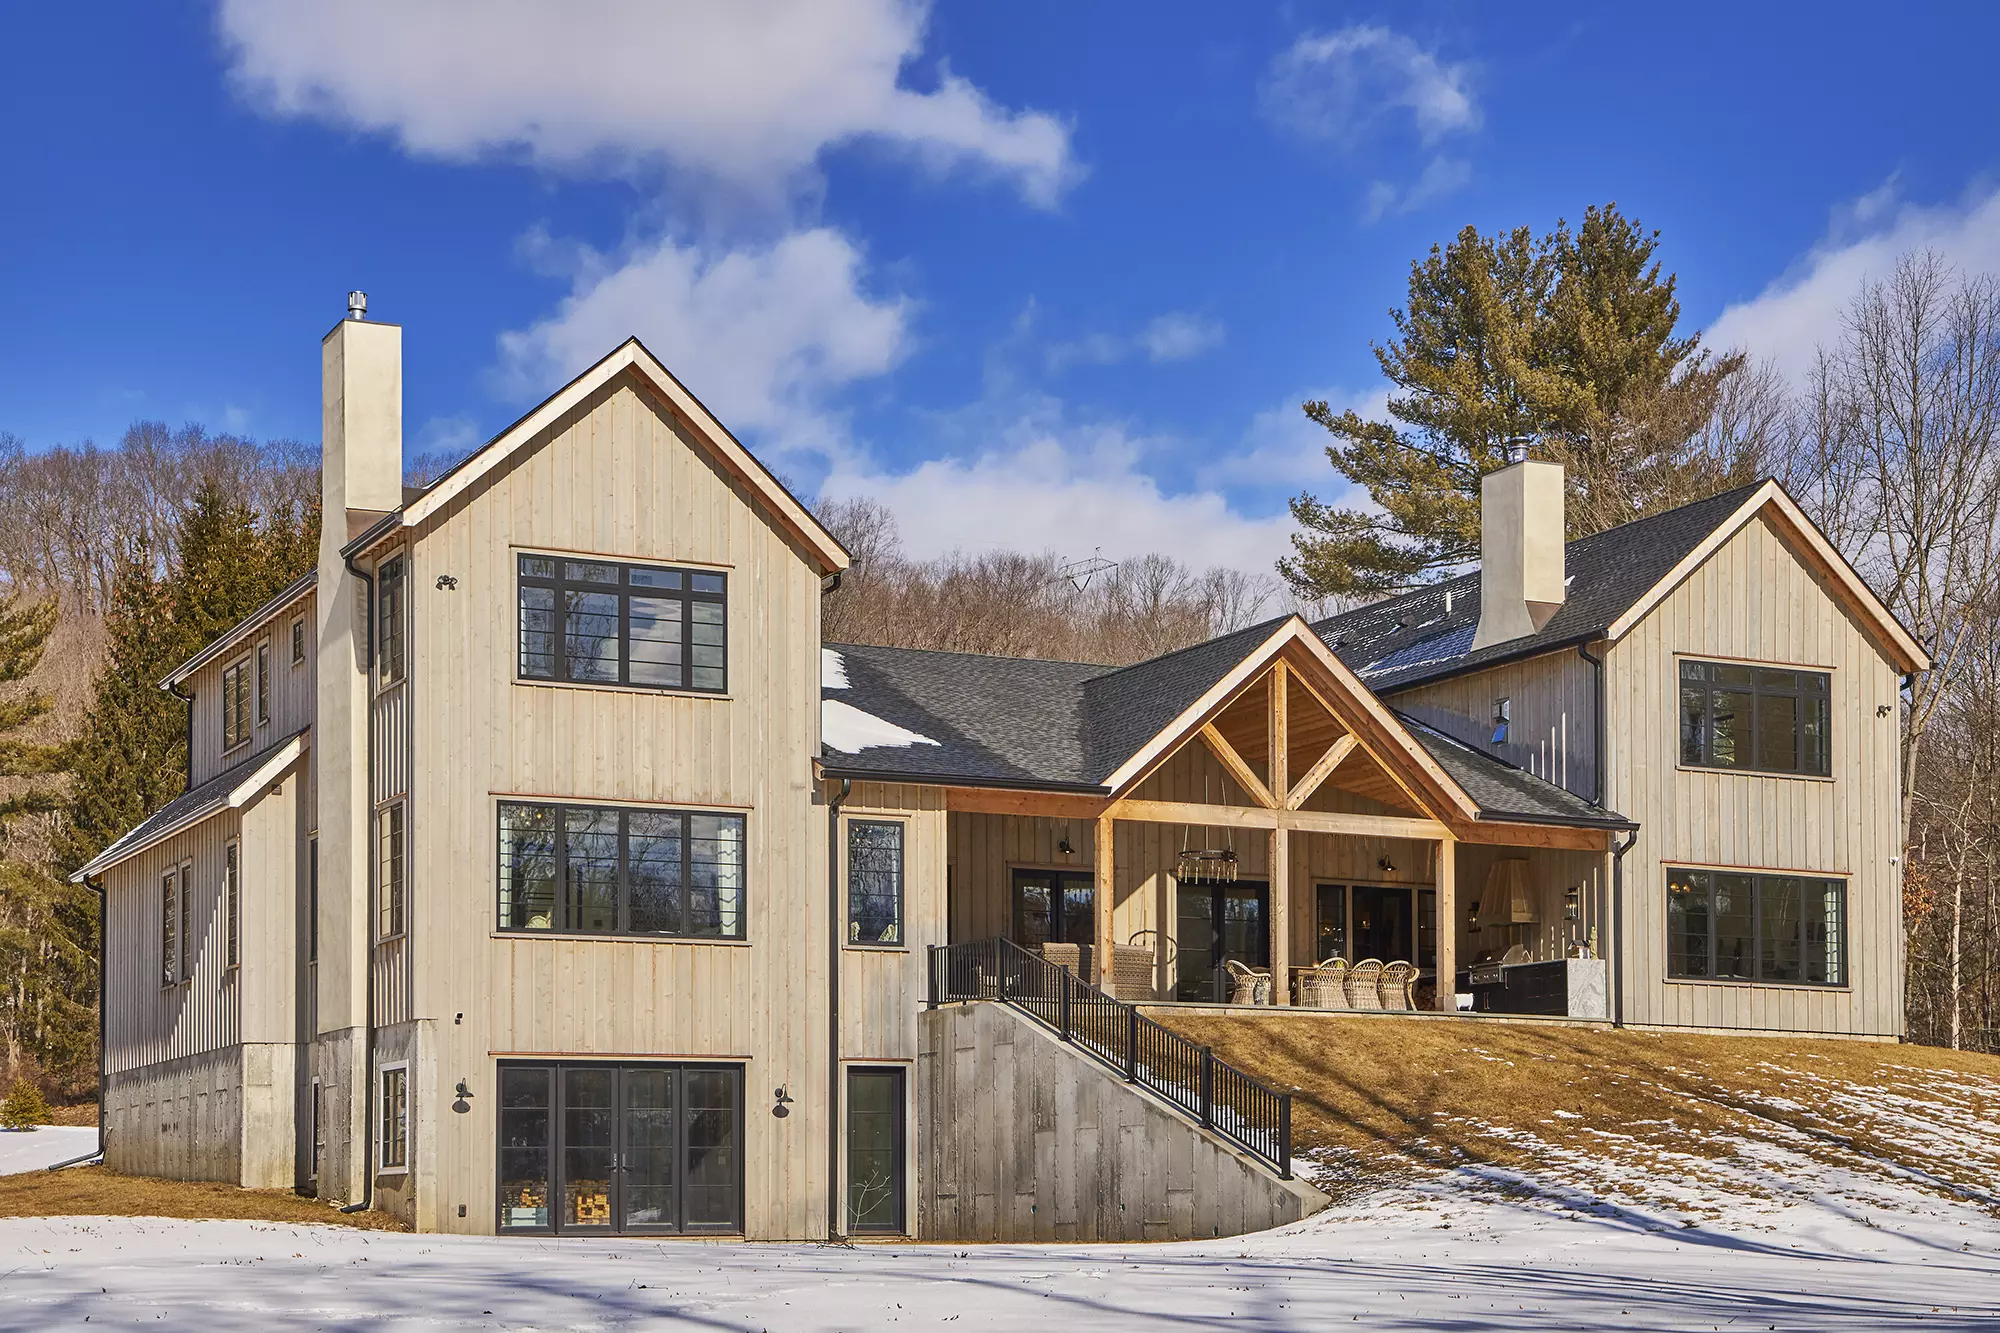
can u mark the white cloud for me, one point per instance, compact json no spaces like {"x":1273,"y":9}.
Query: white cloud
{"x":1802,"y":309}
{"x":1040,"y":484}
{"x":1444,"y":176}
{"x":1175,"y":336}
{"x":747,"y":93}
{"x":1283,"y":448}
{"x":1342,"y":86}
{"x":761,"y":335}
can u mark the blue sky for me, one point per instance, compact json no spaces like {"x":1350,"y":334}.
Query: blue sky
{"x":1053,"y":276}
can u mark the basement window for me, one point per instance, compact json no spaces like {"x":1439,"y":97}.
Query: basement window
{"x":395,"y":1141}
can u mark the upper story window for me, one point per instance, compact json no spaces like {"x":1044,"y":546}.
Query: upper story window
{"x":1765,"y":719}
{"x":299,"y":641}
{"x":600,"y":623}
{"x":615,"y":871}
{"x":390,"y":642}
{"x":875,"y":881}
{"x":395,"y":861}
{"x":232,"y":905}
{"x":1784,"y":929}
{"x":236,"y":704}
{"x":263,"y":682}
{"x":1503,"y":720}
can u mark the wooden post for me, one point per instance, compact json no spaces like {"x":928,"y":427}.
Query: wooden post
{"x":1447,"y":924}
{"x":1102,"y":867}
{"x":1281,"y":916}
{"x":1281,"y":845}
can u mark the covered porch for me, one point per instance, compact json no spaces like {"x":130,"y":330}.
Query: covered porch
{"x":1289,"y":841}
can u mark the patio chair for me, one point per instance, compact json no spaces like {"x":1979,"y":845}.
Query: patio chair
{"x":1131,"y":972}
{"x":1248,"y":985}
{"x":1068,"y":957}
{"x":1363,"y":984}
{"x":1325,"y":986}
{"x":1398,"y":979}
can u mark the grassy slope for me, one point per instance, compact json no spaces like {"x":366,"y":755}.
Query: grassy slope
{"x":1669,"y":1117}
{"x":91,"y":1191}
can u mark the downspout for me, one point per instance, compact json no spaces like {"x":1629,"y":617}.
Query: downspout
{"x":834,"y":1202}
{"x":1618,"y":850}
{"x":97,"y":887}
{"x":367,"y":1199}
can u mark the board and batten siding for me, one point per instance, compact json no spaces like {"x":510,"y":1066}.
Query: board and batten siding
{"x":1753,"y":601}
{"x":1553,"y":729}
{"x":617,"y":478}
{"x":883,"y":989}
{"x":293,"y":696}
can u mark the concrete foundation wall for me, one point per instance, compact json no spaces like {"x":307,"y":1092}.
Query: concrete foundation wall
{"x":222,"y":1115}
{"x":1023,"y":1138}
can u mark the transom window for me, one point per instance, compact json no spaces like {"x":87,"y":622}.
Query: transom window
{"x":236,"y":704}
{"x":1769,"y":719}
{"x":875,"y":881}
{"x":612,"y":871}
{"x":1773,"y":929}
{"x":602,"y":623}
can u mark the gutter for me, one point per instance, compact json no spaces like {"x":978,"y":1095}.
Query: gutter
{"x":964,"y":780}
{"x":1614,"y":825}
{"x":367,"y":1199}
{"x":835,"y":1204}
{"x":1483,"y":664}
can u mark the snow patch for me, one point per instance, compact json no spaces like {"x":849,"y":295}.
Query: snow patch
{"x":34,"y":1150}
{"x":848,"y":729}
{"x":832,"y":670}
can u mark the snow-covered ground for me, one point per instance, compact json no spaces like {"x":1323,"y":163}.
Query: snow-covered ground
{"x":1469,"y":1253}
{"x":31,"y":1150}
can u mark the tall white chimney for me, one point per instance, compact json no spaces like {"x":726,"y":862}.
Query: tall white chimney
{"x":1521,"y":574}
{"x":361,"y":478}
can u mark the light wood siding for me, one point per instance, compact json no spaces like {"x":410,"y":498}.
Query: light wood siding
{"x":882,"y":990}
{"x":1753,"y":600}
{"x":292,"y":693}
{"x":617,"y":478}
{"x":1554,"y":729}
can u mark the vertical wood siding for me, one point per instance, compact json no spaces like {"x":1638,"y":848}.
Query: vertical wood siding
{"x":1554,"y":728}
{"x":1754,"y":601}
{"x":292,"y":693}
{"x":882,"y":990}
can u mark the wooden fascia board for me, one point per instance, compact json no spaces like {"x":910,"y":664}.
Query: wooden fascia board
{"x":251,"y":787}
{"x":632,"y":355}
{"x":1029,"y":804}
{"x":1562,"y":837}
{"x":1172,"y":736}
{"x":1237,"y":766}
{"x":1297,"y":821}
{"x":1321,"y":770}
{"x":1806,"y":539}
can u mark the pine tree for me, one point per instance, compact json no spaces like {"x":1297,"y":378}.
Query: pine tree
{"x":1567,"y":340}
{"x":24,"y":1107}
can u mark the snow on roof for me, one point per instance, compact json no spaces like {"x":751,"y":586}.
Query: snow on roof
{"x":845,"y":728}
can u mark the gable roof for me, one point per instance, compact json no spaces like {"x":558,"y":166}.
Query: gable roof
{"x":629,"y":356}
{"x":243,"y":630}
{"x":233,"y":788}
{"x":1614,"y":578}
{"x":970,"y":720}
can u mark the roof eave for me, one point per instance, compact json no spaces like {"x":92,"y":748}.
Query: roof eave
{"x":236,"y":633}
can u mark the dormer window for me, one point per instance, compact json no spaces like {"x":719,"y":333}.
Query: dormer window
{"x":596,"y":622}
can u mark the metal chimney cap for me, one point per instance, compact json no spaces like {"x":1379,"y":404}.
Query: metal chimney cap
{"x":357,"y":305}
{"x":1517,"y":450}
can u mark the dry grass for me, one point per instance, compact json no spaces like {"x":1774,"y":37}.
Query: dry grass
{"x":1387,"y":1101}
{"x":77,"y":1115}
{"x":92,"y":1191}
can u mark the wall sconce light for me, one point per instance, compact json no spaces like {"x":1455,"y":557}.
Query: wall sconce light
{"x":1573,"y":903}
{"x":1472,"y":914}
{"x":784,"y":1106}
{"x":464,"y":1095}
{"x":1385,"y":864}
{"x":446,"y":583}
{"x":1065,"y":848}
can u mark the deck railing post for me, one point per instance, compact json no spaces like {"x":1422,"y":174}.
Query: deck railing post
{"x":1062,"y":1003}
{"x":1207,"y":1093}
{"x":1285,"y":1136}
{"x":931,"y":962}
{"x":1131,"y":1044}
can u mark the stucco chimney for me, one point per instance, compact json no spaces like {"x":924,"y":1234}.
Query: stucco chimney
{"x":1521,"y":574}
{"x":361,"y":478}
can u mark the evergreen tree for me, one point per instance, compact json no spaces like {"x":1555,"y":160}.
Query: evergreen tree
{"x":1567,"y":340}
{"x":24,"y":1107}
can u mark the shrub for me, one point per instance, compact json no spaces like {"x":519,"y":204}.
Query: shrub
{"x":24,"y":1107}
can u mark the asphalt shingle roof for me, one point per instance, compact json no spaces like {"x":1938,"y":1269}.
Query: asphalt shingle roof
{"x":190,"y":807}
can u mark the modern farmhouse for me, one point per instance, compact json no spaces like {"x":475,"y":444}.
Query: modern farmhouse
{"x":540,"y":869}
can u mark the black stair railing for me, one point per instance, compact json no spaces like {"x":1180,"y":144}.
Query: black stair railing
{"x":1212,"y":1092}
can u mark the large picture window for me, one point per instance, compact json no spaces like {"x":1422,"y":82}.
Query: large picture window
{"x":875,"y":881}
{"x":1767,"y":719}
{"x":610,"y":871}
{"x":601,"y":623}
{"x":236,"y":704}
{"x":1773,"y":929}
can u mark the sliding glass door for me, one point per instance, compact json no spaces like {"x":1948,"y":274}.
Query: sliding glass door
{"x":595,"y":1147}
{"x":1217,"y":923}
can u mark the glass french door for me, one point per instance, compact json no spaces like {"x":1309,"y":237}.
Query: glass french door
{"x":608,"y":1148}
{"x":1218,"y":923}
{"x":1055,"y":907}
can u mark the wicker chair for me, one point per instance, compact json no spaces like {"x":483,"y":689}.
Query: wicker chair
{"x":1247,"y":985}
{"x":1398,"y":979}
{"x":1363,"y":984}
{"x":1131,"y":972}
{"x":1325,"y":986}
{"x":1068,"y":957}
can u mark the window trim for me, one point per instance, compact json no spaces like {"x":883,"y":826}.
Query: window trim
{"x":234,"y":671}
{"x":900,"y":1073}
{"x":383,"y":1167}
{"x":1503,"y":720}
{"x":392,"y":620}
{"x":686,"y":594}
{"x":1757,"y":876}
{"x":902,"y":941}
{"x":298,"y":641}
{"x":170,"y":927}
{"x":1682,"y":762}
{"x":623,"y":912}
{"x":392,"y":925}
{"x":232,"y":906}
{"x":186,"y":896}
{"x":263,"y":709}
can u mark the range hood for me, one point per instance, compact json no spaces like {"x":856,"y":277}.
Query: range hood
{"x":1507,"y":894}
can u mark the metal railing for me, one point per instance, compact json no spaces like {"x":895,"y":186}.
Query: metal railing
{"x":1212,"y":1092}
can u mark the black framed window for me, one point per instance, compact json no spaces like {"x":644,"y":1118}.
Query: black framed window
{"x":395,"y":869}
{"x":232,"y":904}
{"x":875,"y":881}
{"x":390,"y":643}
{"x":876,"y":1139}
{"x":263,"y":683}
{"x":395,"y":1141}
{"x":1766,"y":719}
{"x":613,"y":871}
{"x":236,"y":704}
{"x":599,"y":622}
{"x":299,"y":641}
{"x":1770,"y":929}
{"x":170,"y":954}
{"x":1055,"y":907}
